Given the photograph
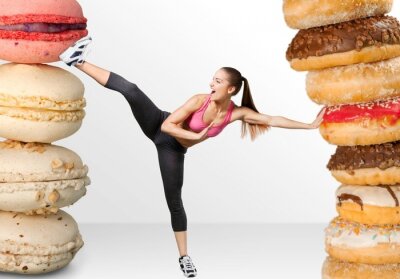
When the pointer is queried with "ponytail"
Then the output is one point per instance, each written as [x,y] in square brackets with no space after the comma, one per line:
[247,101]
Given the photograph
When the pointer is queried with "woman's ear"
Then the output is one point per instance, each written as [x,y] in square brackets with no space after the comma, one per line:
[231,89]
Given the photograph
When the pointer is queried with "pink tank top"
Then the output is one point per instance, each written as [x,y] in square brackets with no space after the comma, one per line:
[196,124]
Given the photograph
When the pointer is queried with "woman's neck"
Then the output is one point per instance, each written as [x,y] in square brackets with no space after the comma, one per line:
[220,105]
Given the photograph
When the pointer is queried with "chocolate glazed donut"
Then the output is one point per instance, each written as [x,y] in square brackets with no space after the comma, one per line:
[367,165]
[358,41]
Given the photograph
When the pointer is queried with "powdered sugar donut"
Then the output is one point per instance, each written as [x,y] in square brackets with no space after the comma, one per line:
[304,14]
[357,83]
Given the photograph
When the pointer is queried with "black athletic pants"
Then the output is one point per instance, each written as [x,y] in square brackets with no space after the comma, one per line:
[171,153]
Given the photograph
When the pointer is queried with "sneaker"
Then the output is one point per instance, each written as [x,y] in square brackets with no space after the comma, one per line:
[76,54]
[187,267]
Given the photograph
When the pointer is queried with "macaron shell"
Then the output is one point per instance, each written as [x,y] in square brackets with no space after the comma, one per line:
[36,131]
[52,7]
[27,264]
[24,51]
[41,197]
[37,244]
[21,162]
[54,83]
[37,234]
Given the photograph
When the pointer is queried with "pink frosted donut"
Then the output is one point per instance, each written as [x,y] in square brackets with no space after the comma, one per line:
[39,31]
[362,124]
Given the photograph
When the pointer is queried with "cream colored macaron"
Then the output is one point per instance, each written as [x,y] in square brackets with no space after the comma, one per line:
[39,178]
[37,244]
[39,103]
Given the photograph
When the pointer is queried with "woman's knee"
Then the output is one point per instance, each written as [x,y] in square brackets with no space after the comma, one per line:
[175,205]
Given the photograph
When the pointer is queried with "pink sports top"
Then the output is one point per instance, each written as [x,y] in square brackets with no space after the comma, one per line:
[196,124]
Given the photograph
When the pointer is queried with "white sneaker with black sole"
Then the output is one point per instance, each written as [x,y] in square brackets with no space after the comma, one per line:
[187,267]
[77,53]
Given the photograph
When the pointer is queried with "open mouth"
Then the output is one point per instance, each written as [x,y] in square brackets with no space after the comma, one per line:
[212,91]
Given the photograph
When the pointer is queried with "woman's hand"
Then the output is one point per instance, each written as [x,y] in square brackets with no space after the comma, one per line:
[315,124]
[203,134]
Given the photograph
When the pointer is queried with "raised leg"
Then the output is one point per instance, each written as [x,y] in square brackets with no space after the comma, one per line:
[147,114]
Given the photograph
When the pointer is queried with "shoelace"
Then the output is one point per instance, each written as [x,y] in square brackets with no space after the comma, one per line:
[187,262]
[86,49]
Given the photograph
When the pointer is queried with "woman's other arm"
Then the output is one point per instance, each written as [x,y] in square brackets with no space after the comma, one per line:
[249,116]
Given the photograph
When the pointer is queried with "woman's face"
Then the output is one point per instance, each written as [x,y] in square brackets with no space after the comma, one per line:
[220,87]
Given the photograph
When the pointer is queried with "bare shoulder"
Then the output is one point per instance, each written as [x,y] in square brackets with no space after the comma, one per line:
[239,113]
[196,101]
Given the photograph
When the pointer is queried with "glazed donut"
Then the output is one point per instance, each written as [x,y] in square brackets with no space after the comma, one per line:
[357,83]
[304,14]
[362,124]
[367,165]
[372,205]
[335,269]
[364,40]
[360,243]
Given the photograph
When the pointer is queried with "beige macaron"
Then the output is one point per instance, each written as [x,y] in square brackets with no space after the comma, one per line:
[37,244]
[39,178]
[39,103]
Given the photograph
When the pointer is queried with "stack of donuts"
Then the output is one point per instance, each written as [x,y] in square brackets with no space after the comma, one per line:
[39,104]
[352,52]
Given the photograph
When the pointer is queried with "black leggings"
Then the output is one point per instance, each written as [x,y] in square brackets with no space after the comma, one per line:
[171,154]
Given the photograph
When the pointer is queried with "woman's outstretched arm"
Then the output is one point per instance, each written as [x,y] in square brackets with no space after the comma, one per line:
[97,73]
[252,117]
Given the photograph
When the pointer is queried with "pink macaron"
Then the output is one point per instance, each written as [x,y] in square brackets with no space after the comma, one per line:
[39,31]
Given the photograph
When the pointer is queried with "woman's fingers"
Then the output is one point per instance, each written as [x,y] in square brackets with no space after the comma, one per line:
[203,133]
[318,120]
[322,112]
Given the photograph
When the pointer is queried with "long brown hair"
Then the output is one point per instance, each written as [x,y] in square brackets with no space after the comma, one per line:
[236,79]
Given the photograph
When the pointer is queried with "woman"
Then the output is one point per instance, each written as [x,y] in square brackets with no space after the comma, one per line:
[201,117]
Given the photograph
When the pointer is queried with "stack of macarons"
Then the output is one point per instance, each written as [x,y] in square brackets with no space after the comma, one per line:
[352,52]
[39,104]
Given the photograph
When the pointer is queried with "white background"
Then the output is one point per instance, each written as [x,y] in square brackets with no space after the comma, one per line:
[171,49]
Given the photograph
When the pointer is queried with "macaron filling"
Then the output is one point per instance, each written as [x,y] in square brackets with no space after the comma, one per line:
[39,102]
[42,115]
[36,27]
[43,27]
